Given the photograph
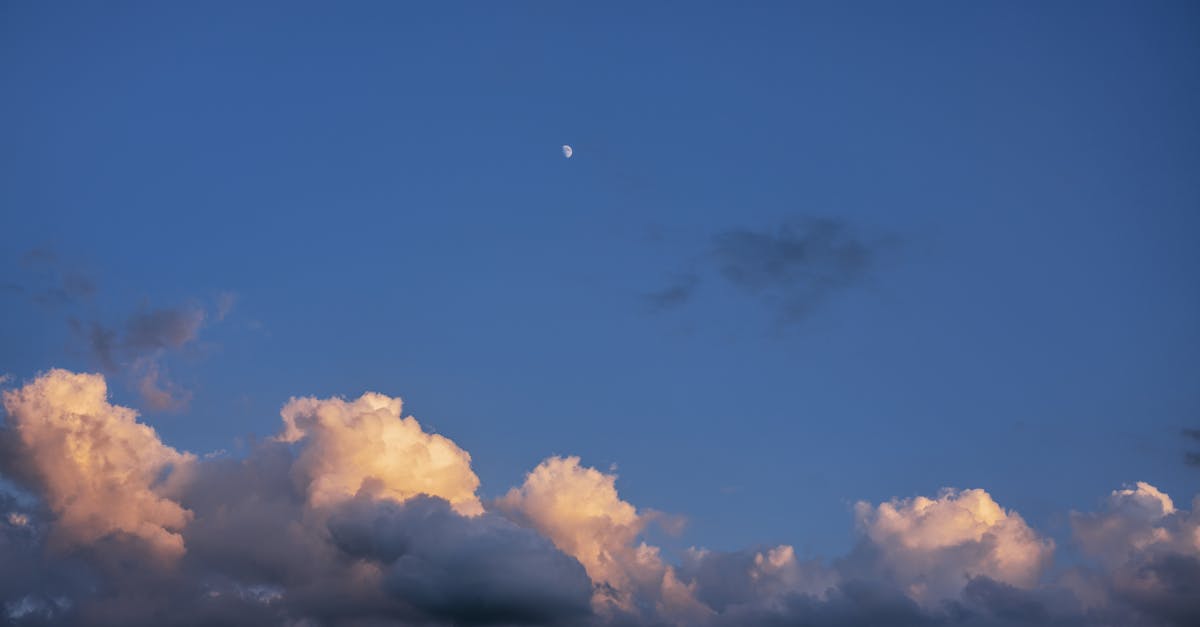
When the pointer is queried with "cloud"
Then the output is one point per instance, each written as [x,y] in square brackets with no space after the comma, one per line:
[791,268]
[157,391]
[795,265]
[1192,458]
[156,329]
[140,347]
[137,347]
[932,547]
[1147,551]
[464,570]
[98,469]
[355,515]
[738,581]
[366,445]
[579,509]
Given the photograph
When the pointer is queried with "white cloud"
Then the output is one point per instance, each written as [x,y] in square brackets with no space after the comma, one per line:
[366,445]
[931,546]
[578,508]
[98,469]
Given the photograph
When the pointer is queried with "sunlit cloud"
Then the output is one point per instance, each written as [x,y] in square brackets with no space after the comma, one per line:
[354,514]
[368,446]
[98,469]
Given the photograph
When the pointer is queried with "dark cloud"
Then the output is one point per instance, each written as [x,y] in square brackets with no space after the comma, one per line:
[101,342]
[138,350]
[154,329]
[851,604]
[36,588]
[136,347]
[465,571]
[1192,458]
[158,392]
[795,265]
[791,268]
[1162,589]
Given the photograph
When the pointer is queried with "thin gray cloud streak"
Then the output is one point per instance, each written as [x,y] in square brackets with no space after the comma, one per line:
[790,268]
[135,348]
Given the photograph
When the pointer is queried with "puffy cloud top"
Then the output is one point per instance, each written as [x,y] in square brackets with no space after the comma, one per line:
[932,545]
[366,445]
[1137,520]
[579,509]
[98,469]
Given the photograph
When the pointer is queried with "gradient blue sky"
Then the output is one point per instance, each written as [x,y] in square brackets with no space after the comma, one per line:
[381,186]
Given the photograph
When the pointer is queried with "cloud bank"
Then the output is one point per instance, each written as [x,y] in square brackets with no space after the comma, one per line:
[353,514]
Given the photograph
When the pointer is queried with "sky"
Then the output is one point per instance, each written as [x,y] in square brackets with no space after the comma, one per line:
[807,260]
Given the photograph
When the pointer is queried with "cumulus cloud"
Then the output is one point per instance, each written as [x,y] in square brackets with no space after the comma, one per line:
[1148,552]
[579,509]
[738,581]
[355,515]
[464,570]
[98,469]
[366,445]
[931,547]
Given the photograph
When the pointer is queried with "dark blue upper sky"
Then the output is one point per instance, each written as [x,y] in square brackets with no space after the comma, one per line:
[381,185]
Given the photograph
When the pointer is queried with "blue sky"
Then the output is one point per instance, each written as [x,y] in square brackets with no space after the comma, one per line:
[382,189]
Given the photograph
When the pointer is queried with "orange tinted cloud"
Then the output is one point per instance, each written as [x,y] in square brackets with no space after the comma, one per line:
[367,445]
[98,469]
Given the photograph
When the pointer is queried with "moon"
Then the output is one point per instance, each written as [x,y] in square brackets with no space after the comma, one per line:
[567,152]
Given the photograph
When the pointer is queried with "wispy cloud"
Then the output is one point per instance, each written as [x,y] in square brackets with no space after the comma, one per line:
[1192,458]
[791,268]
[794,266]
[138,346]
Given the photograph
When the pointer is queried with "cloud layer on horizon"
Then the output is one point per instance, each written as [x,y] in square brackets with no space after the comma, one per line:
[355,515]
